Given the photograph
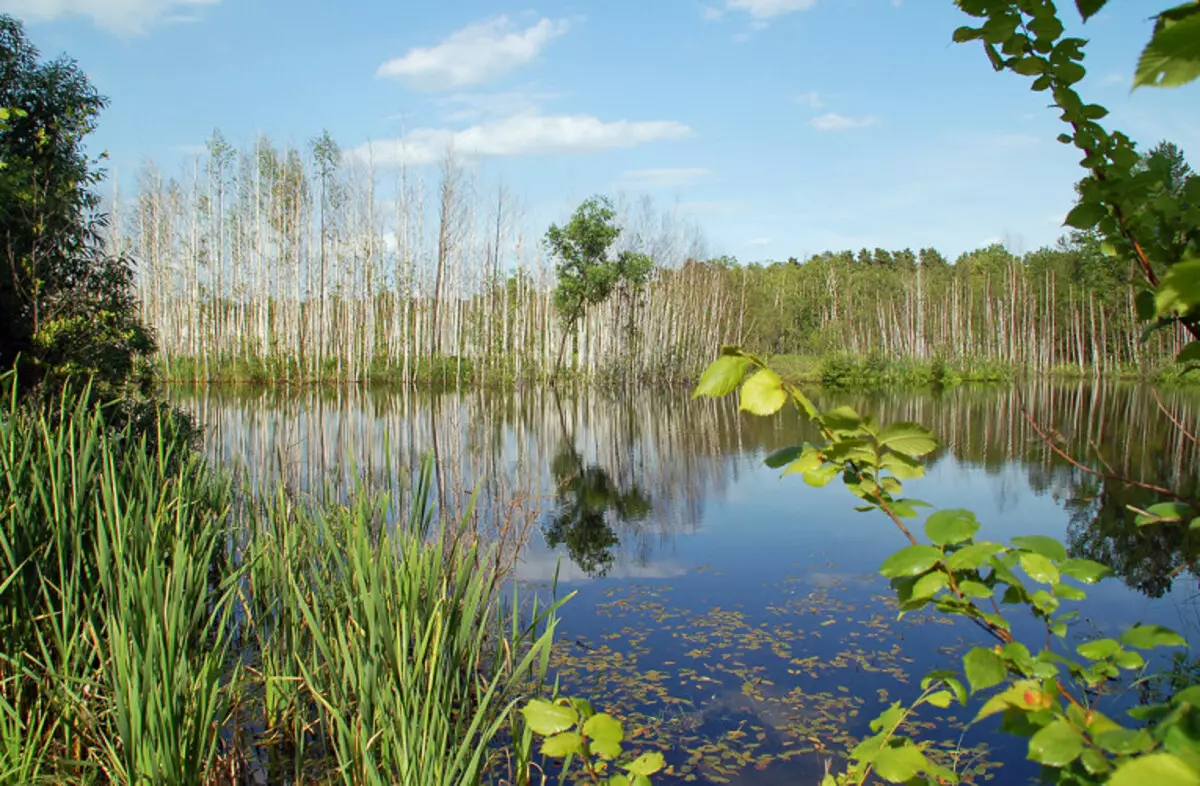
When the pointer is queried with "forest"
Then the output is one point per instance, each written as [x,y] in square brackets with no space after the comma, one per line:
[278,264]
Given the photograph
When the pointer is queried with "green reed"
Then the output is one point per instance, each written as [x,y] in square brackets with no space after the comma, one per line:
[157,627]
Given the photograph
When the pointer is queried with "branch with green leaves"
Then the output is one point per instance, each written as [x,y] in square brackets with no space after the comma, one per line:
[573,730]
[1043,692]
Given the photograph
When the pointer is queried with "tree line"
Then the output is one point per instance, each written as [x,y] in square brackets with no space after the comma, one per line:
[282,264]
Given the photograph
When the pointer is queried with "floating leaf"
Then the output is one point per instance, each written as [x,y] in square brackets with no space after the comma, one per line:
[762,394]
[722,376]
[1056,745]
[546,718]
[647,764]
[951,527]
[910,561]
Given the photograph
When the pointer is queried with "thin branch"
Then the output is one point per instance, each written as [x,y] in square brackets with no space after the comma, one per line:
[1049,442]
[1171,417]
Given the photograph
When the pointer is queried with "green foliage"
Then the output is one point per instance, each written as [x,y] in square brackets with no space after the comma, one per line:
[68,305]
[588,272]
[574,730]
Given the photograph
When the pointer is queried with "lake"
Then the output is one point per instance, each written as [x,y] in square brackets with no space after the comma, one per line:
[734,618]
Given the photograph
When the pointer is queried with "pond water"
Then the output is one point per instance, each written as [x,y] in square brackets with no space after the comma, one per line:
[734,618]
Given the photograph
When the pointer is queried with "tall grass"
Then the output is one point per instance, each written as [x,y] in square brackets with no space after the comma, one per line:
[158,628]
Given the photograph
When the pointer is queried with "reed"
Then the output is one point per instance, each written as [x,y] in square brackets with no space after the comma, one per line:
[161,627]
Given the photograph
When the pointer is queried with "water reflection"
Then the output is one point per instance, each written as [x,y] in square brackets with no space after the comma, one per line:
[613,482]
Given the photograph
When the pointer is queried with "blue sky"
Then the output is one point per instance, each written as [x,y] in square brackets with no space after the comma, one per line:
[783,127]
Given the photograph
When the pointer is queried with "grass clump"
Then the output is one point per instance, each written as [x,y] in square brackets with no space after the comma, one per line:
[158,627]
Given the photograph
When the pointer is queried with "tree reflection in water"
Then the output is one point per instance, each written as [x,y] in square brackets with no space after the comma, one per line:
[587,502]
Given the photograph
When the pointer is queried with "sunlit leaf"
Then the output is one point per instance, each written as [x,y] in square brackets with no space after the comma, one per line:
[972,556]
[1039,568]
[1179,289]
[546,718]
[564,744]
[722,377]
[1155,768]
[647,764]
[910,561]
[1172,56]
[902,466]
[1101,648]
[1085,570]
[783,457]
[984,669]
[951,527]
[899,764]
[1146,637]
[909,439]
[605,734]
[1164,512]
[763,394]
[1056,744]
[1042,544]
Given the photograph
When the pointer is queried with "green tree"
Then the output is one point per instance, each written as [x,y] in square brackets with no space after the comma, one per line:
[67,305]
[588,271]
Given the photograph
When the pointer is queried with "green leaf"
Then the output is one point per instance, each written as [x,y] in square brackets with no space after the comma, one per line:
[1128,659]
[974,589]
[1101,648]
[546,718]
[897,765]
[1164,511]
[1086,215]
[930,584]
[1085,570]
[1147,309]
[1146,637]
[722,377]
[951,527]
[647,764]
[971,557]
[940,699]
[842,420]
[1042,544]
[901,466]
[910,561]
[1089,8]
[1190,353]
[605,734]
[783,457]
[1094,762]
[1056,745]
[1039,568]
[763,394]
[1124,742]
[984,669]
[807,462]
[1067,592]
[909,439]
[964,34]
[821,477]
[565,744]
[1172,57]
[1179,289]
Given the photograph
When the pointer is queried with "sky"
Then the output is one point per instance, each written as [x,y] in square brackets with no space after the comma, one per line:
[781,127]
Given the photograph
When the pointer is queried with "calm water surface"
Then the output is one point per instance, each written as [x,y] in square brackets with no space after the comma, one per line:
[735,618]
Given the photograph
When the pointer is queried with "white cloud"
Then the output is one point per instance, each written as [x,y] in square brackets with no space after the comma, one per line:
[759,242]
[475,54]
[127,17]
[836,122]
[711,13]
[649,179]
[766,9]
[521,135]
[472,107]
[811,99]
